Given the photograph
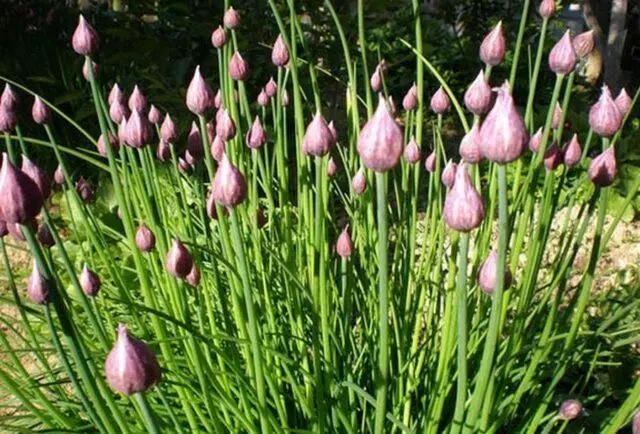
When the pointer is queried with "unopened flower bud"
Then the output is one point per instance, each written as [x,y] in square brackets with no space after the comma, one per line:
[440,102]
[572,152]
[359,182]
[463,206]
[145,239]
[102,146]
[225,127]
[271,88]
[557,116]
[118,111]
[38,287]
[493,46]
[584,43]
[238,67]
[138,131]
[168,130]
[604,169]
[623,102]
[410,100]
[332,168]
[470,145]
[430,162]
[263,98]
[344,245]
[256,135]
[218,148]
[412,152]
[280,52]
[137,100]
[115,94]
[9,99]
[40,112]
[90,68]
[45,238]
[178,261]
[8,119]
[20,197]
[163,151]
[229,187]
[604,116]
[478,96]
[318,139]
[552,157]
[376,79]
[380,140]
[84,190]
[199,94]
[489,274]
[547,8]
[231,18]
[154,115]
[85,40]
[219,37]
[449,173]
[570,409]
[89,282]
[38,176]
[562,58]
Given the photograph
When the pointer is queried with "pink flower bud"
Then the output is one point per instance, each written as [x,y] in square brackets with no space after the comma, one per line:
[9,99]
[231,18]
[118,111]
[463,207]
[84,190]
[359,182]
[102,146]
[334,133]
[217,101]
[37,286]
[344,245]
[412,152]
[89,282]
[218,148]
[557,116]
[199,94]
[449,173]
[238,67]
[145,240]
[263,98]
[478,96]
[45,238]
[122,131]
[85,40]
[623,102]
[493,46]
[271,88]
[38,176]
[318,139]
[20,197]
[40,112]
[376,80]
[536,140]
[58,175]
[380,140]
[219,37]
[229,187]
[332,168]
[15,229]
[115,94]
[138,131]
[87,73]
[280,52]
[154,115]
[194,144]
[193,278]
[430,162]
[604,116]
[256,135]
[168,130]
[285,98]
[131,366]
[604,169]
[410,100]
[163,151]
[225,127]
[440,102]
[489,273]
[635,424]
[503,135]
[553,157]
[547,8]
[470,145]
[8,119]
[570,409]
[572,152]
[584,43]
[137,100]
[178,261]
[562,58]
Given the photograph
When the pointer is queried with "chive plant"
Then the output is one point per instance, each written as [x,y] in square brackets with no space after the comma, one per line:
[283,272]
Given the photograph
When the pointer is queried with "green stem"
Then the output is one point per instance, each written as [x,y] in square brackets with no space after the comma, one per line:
[146,412]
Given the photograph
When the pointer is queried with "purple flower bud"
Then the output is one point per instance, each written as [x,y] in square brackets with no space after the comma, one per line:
[219,37]
[470,145]
[45,238]
[131,366]
[85,40]
[238,67]
[193,278]
[493,46]
[334,133]
[118,111]
[557,116]
[604,169]
[218,148]
[271,88]
[463,206]
[570,409]
[623,102]
[572,152]
[115,94]
[344,245]
[40,112]
[89,282]
[154,115]
[137,100]
[412,152]
[256,136]
[8,119]
[84,190]
[225,127]
[553,157]
[87,73]
[380,141]
[58,175]
[190,159]
[138,131]
[285,98]
[179,261]
[478,96]
[410,100]
[20,197]
[562,58]
[430,162]
[199,94]
[122,131]
[440,102]
[359,182]
[318,139]
[37,286]
[9,99]
[332,168]
[217,100]
[163,152]
[38,176]
[376,80]
[489,273]
[584,43]
[168,130]
[635,424]
[604,116]
[102,147]
[263,98]
[231,18]
[449,173]
[503,135]
[280,52]
[145,240]
[229,187]
[547,8]
[536,140]
[194,143]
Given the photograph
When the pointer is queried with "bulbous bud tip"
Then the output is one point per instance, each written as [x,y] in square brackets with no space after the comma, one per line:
[229,187]
[603,169]
[440,102]
[40,112]
[344,245]
[89,282]
[280,52]
[380,143]
[199,94]
[412,152]
[359,182]
[231,18]
[85,40]
[547,8]
[489,273]
[318,139]
[463,206]
[38,287]
[493,46]
[410,100]
[145,239]
[562,58]
[20,197]
[178,261]
[604,116]
[478,96]
[570,409]
[219,37]
[238,67]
